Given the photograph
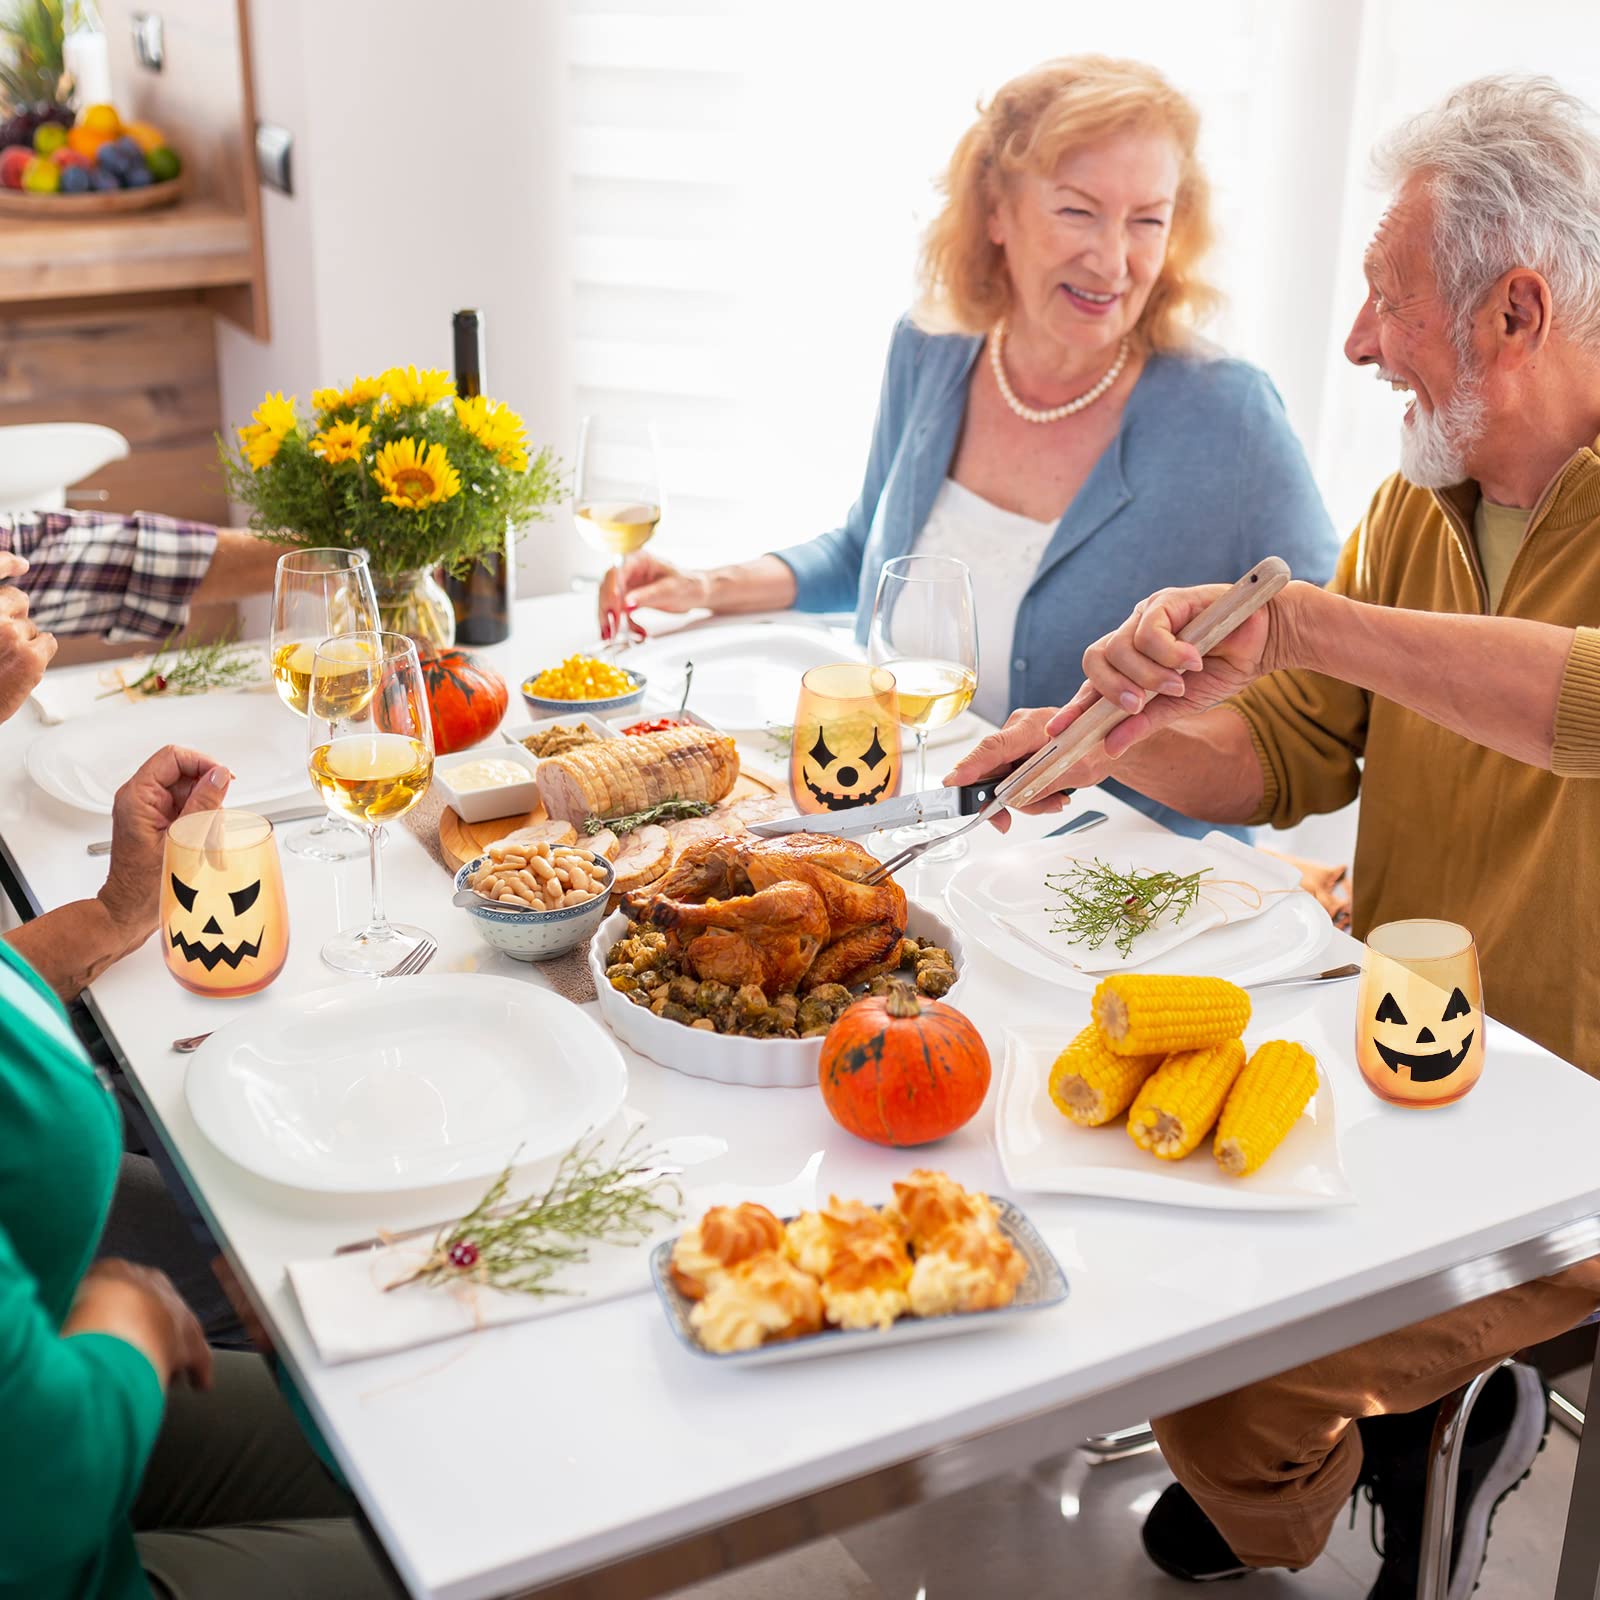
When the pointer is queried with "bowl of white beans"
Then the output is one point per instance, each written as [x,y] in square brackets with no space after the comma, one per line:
[536,901]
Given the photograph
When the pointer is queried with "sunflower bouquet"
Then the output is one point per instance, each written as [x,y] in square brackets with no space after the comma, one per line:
[399,466]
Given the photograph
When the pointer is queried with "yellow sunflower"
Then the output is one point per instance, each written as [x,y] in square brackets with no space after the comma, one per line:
[406,387]
[496,427]
[358,392]
[341,441]
[272,422]
[413,479]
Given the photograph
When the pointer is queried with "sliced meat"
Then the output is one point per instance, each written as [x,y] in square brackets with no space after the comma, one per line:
[760,808]
[551,833]
[689,831]
[604,843]
[645,855]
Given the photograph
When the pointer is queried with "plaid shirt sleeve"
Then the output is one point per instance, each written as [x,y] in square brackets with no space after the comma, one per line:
[128,577]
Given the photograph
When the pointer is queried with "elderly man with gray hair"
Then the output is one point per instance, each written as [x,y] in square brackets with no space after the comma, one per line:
[1451,673]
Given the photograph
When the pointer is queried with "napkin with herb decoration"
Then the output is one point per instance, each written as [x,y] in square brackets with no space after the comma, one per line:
[1235,883]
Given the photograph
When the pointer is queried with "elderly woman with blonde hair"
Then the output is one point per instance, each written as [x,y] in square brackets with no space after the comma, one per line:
[1047,413]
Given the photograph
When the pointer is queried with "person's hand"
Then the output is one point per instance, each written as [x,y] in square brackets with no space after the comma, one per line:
[998,752]
[142,1306]
[648,581]
[173,782]
[1153,675]
[24,651]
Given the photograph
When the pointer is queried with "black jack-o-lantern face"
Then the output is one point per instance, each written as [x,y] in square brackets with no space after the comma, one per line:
[1427,1056]
[847,778]
[193,946]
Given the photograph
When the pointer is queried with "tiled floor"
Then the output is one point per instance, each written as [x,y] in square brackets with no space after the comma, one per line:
[1064,1531]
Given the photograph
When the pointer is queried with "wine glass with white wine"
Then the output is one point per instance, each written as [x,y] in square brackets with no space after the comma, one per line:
[318,595]
[370,738]
[616,500]
[925,631]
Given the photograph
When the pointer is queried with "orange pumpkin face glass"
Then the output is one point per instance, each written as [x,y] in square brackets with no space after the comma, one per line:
[224,920]
[1419,1015]
[846,749]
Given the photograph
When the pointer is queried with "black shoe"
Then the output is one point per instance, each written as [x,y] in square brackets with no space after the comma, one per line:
[1504,1434]
[1183,1541]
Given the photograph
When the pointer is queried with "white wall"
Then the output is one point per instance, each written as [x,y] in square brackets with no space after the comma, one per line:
[430,173]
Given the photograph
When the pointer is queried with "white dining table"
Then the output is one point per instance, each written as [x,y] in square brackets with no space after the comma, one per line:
[588,1453]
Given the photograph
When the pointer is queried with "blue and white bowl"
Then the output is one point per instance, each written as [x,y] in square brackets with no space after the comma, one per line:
[528,935]
[599,708]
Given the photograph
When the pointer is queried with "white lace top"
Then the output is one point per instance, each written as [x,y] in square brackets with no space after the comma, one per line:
[1003,549]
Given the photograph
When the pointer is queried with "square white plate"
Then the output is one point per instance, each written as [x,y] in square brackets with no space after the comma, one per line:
[1042,1151]
[501,800]
[990,885]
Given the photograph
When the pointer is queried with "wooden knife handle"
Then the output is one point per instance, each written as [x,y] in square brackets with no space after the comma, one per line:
[1036,776]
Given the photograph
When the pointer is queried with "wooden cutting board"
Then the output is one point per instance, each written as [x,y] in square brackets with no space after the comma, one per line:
[465,841]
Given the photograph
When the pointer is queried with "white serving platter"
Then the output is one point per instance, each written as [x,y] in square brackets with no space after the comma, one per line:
[1044,1286]
[728,1058]
[84,761]
[405,1083]
[1041,1151]
[989,887]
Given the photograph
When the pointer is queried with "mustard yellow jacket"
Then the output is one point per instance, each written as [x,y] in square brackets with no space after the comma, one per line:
[1448,828]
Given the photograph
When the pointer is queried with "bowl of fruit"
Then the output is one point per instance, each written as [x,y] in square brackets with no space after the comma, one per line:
[53,164]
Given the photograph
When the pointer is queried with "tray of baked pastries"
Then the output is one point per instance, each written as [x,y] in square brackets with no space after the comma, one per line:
[745,1287]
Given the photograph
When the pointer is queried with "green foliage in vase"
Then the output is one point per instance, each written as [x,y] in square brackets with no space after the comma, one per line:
[398,466]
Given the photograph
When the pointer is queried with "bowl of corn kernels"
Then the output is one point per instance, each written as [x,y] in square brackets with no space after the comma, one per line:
[583,683]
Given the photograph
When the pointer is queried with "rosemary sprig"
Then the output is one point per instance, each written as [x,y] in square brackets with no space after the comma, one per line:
[780,738]
[672,809]
[1100,903]
[189,666]
[522,1245]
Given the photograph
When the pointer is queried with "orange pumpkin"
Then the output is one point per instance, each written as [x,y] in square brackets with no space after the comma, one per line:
[901,1070]
[467,699]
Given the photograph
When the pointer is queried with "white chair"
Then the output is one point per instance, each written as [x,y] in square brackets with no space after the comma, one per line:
[40,460]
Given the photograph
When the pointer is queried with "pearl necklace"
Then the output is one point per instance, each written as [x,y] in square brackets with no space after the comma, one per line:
[1055,413]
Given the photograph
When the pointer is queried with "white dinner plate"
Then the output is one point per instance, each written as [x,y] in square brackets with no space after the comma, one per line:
[1042,1151]
[86,760]
[747,675]
[405,1083]
[992,884]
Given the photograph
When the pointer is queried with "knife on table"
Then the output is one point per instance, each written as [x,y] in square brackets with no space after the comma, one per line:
[102,847]
[929,805]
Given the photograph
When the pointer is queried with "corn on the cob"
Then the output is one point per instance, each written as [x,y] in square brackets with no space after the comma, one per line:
[1265,1102]
[1090,1085]
[1146,1013]
[1180,1101]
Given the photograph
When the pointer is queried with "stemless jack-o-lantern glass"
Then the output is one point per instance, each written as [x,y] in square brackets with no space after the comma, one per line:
[1419,1015]
[846,749]
[224,921]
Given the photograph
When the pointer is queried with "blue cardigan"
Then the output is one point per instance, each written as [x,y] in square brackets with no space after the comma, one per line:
[1204,478]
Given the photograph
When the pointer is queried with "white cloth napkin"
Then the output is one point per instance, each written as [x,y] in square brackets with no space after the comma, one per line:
[350,1315]
[1241,883]
[69,693]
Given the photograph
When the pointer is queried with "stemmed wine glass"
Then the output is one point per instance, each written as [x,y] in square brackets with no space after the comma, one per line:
[616,499]
[316,595]
[925,631]
[371,757]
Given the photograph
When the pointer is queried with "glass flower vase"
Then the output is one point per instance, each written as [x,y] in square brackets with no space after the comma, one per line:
[414,603]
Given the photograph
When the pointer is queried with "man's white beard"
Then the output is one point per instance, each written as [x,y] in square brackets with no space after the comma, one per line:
[1434,447]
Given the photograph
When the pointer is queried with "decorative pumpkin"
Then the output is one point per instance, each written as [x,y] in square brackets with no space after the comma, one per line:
[900,1070]
[466,698]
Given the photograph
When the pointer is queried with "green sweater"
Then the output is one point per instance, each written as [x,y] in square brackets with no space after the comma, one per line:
[80,1413]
